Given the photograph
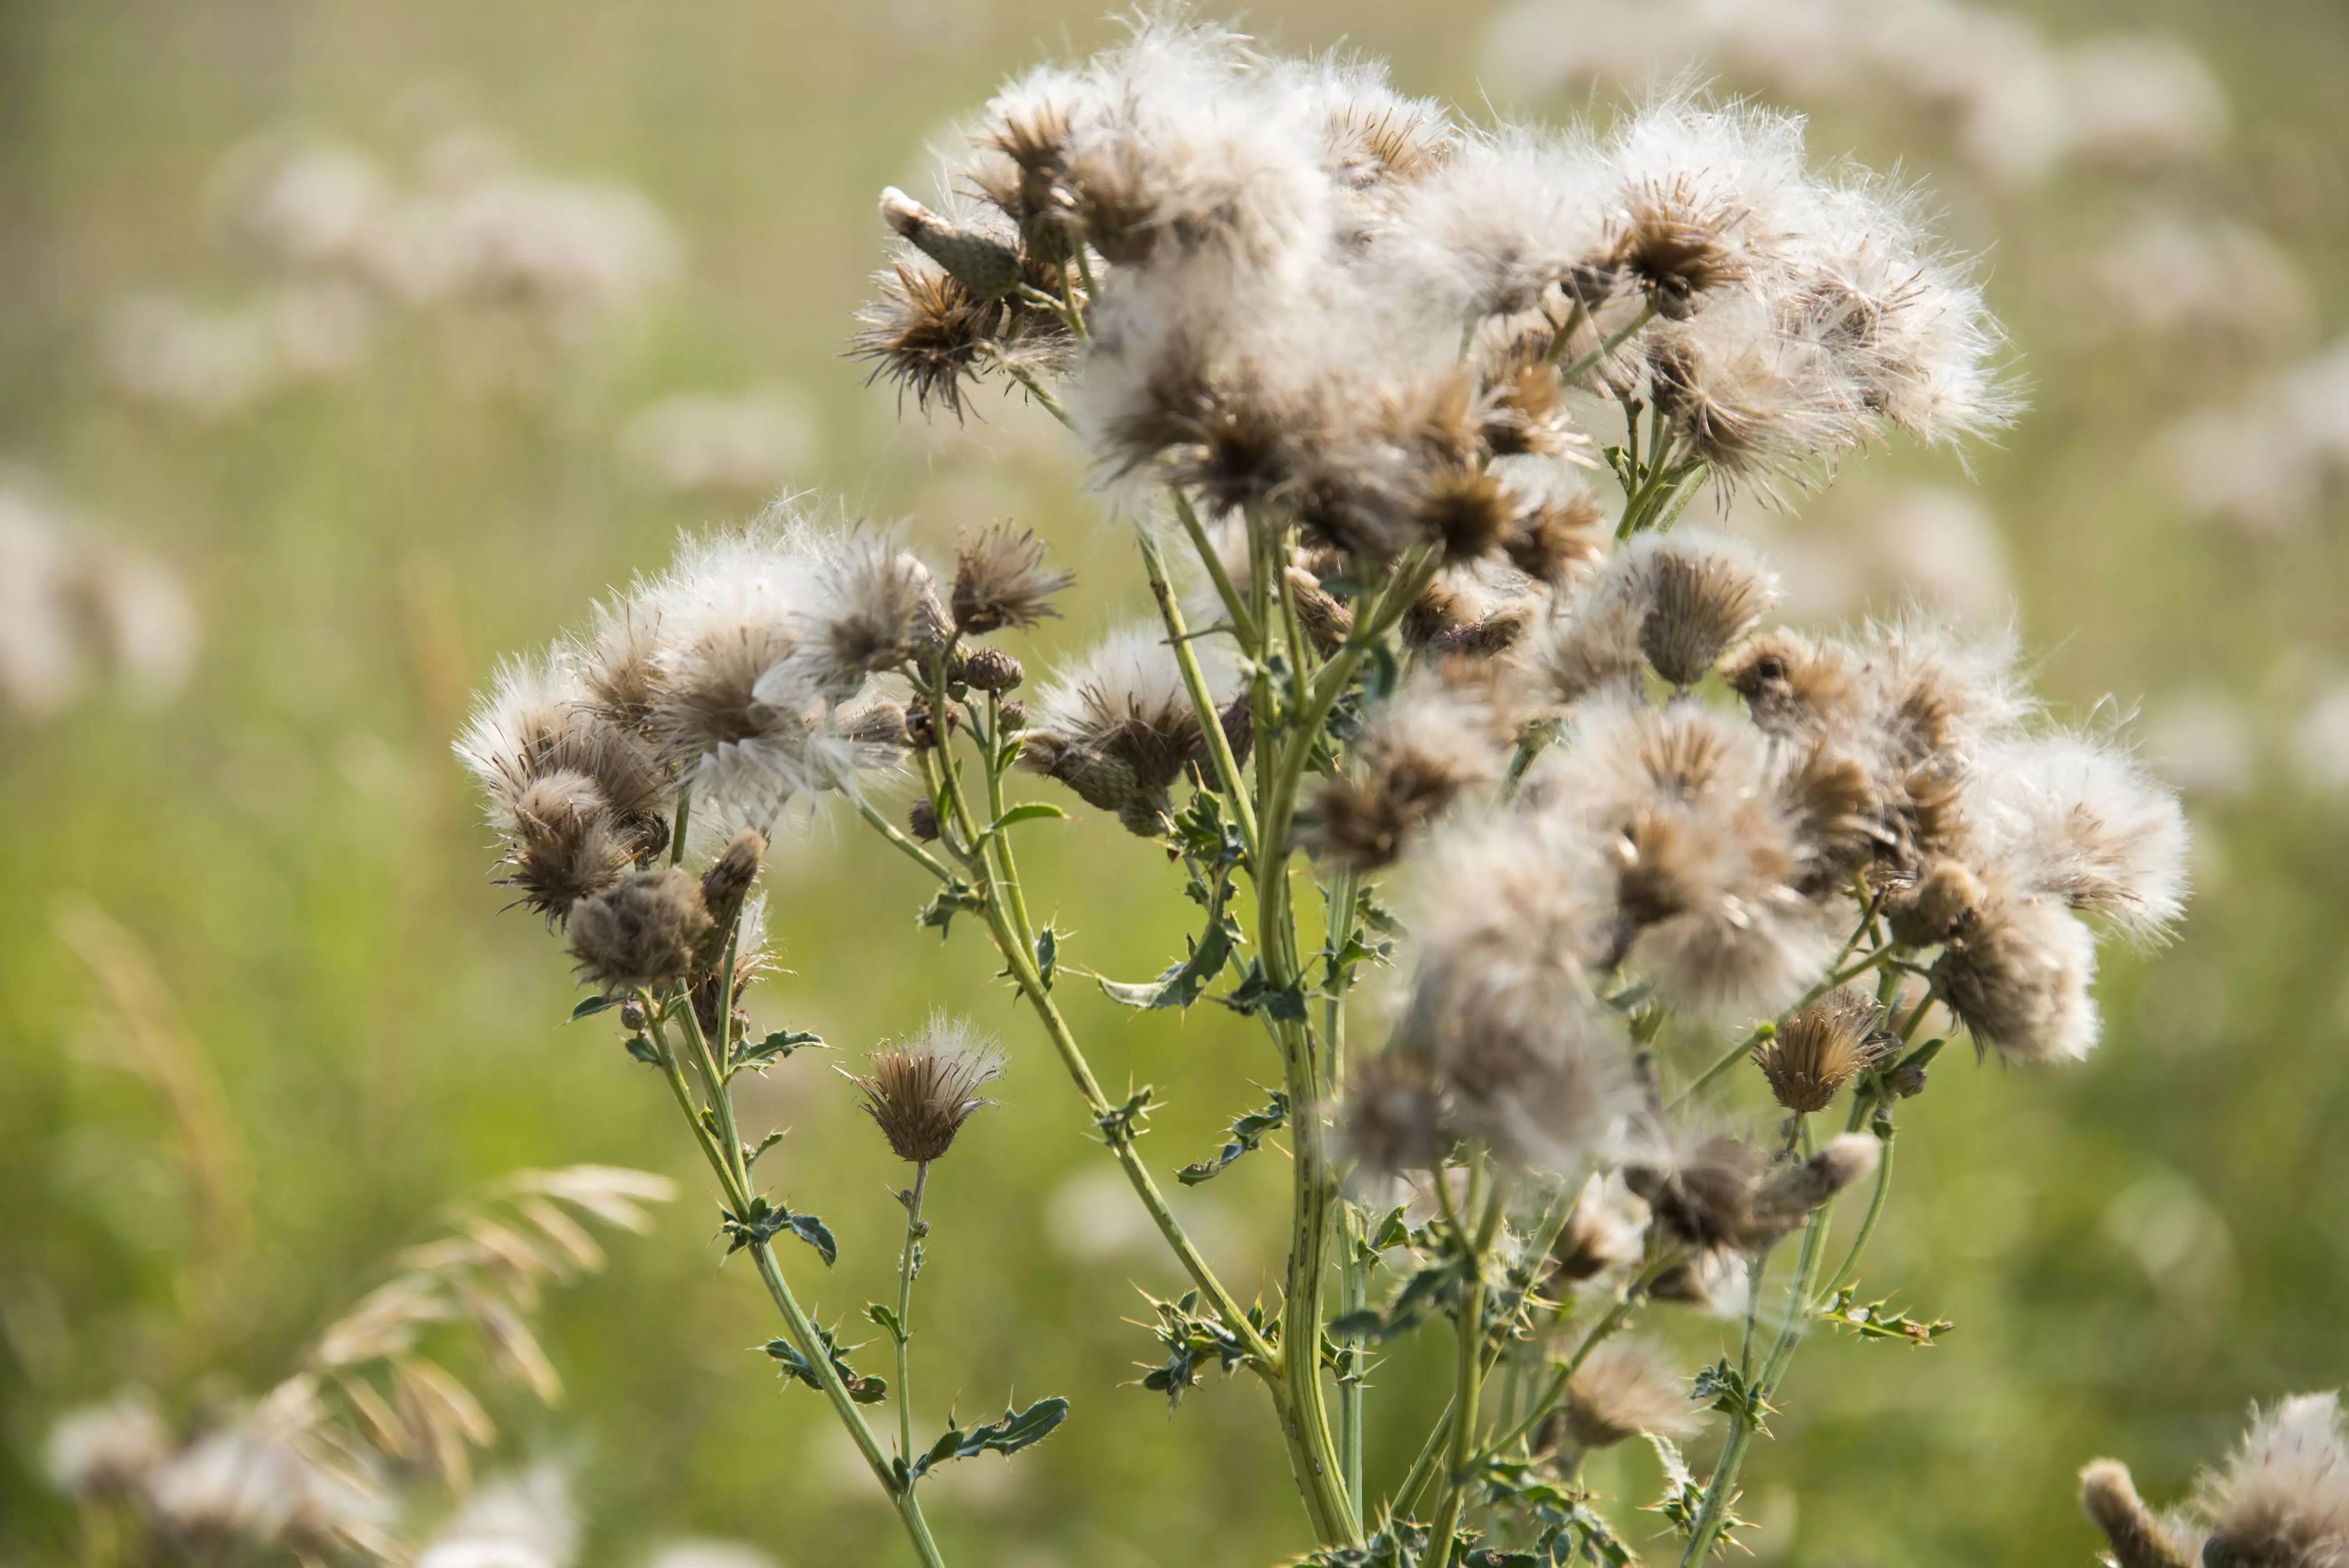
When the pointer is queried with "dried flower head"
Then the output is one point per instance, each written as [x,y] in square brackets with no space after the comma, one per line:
[1622,1391]
[108,1450]
[1548,540]
[1001,580]
[2138,1539]
[1119,728]
[1608,1229]
[641,934]
[1392,1121]
[1798,685]
[2077,821]
[1723,1193]
[1676,244]
[1815,1053]
[1416,756]
[921,1089]
[2017,977]
[2284,1498]
[1704,592]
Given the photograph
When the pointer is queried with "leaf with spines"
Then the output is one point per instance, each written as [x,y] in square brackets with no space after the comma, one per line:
[864,1390]
[1876,1320]
[1683,1498]
[592,1005]
[1725,1389]
[776,1046]
[1018,1429]
[1048,956]
[1247,1132]
[763,1221]
[641,1048]
[957,897]
[886,1319]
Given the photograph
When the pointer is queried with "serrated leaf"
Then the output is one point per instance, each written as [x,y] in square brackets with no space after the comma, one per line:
[1876,1320]
[595,1005]
[641,1048]
[764,1221]
[1247,1131]
[777,1044]
[887,1319]
[751,1154]
[864,1390]
[1015,1430]
[1255,993]
[957,897]
[1047,955]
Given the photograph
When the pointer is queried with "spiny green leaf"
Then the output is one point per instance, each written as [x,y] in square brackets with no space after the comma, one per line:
[1876,1320]
[1017,1430]
[1047,955]
[1247,1131]
[641,1048]
[593,1006]
[887,1319]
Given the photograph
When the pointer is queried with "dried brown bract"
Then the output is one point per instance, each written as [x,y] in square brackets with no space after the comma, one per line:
[1812,1056]
[1001,580]
[921,1090]
[641,934]
[1621,1392]
[1704,592]
[1675,246]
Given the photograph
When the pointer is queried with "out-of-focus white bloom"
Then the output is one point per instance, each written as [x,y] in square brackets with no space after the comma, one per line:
[1871,551]
[76,608]
[580,250]
[2019,104]
[710,1554]
[316,204]
[215,362]
[105,1450]
[747,443]
[2321,743]
[518,1522]
[2262,463]
[2172,271]
[250,1482]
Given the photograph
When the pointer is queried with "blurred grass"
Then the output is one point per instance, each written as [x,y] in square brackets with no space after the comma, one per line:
[2132,1250]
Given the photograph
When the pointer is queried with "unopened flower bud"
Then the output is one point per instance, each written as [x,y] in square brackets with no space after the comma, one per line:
[992,670]
[633,1016]
[987,267]
[1012,717]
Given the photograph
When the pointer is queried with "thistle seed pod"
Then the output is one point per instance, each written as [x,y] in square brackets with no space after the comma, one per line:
[1810,1058]
[922,821]
[1621,1392]
[1000,580]
[1703,594]
[641,934]
[992,670]
[987,267]
[921,1090]
[1936,907]
[2109,1497]
[1675,247]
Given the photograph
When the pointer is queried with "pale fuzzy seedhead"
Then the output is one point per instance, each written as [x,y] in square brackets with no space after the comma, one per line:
[1904,325]
[1117,726]
[1734,169]
[1763,409]
[526,1521]
[247,1484]
[2077,820]
[1393,1122]
[1623,1390]
[2284,1498]
[1941,694]
[109,1450]
[874,608]
[1590,647]
[1002,579]
[1703,855]
[643,933]
[1376,143]
[921,1089]
[1798,685]
[1606,1230]
[1418,753]
[1501,1008]
[2017,975]
[1182,149]
[1510,214]
[1703,591]
[1715,1193]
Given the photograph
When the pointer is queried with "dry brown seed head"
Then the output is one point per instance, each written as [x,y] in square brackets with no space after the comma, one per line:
[1794,685]
[724,887]
[1811,1057]
[1703,601]
[1012,717]
[1469,512]
[1675,247]
[920,1091]
[878,724]
[1001,580]
[1550,540]
[1837,814]
[642,932]
[922,821]
[564,845]
[1324,619]
[1940,904]
[928,334]
[1393,1120]
[1621,1392]
[1522,410]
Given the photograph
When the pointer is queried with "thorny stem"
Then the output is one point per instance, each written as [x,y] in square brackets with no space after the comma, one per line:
[1352,1284]
[908,1265]
[1468,1369]
[734,1183]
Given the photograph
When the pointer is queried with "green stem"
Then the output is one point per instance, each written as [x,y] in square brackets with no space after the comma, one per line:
[1583,365]
[1243,624]
[901,838]
[677,828]
[1194,682]
[1468,1374]
[908,1263]
[734,1180]
[1876,1199]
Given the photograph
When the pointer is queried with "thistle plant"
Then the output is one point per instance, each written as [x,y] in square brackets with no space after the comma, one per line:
[1404,418]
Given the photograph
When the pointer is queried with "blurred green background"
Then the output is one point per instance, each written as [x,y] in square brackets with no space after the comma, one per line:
[2132,1250]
